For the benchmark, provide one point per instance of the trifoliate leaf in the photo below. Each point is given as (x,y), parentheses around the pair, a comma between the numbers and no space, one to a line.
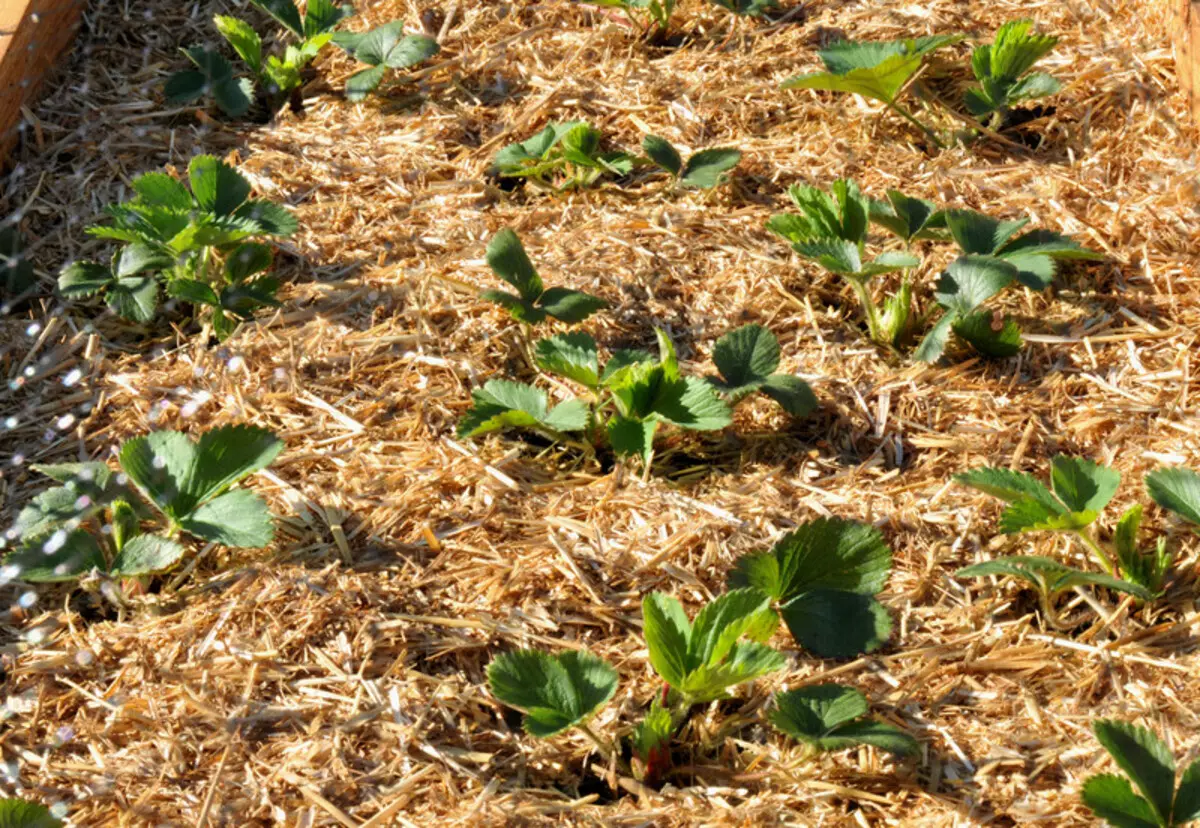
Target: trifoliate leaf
(969,281)
(721,622)
(990,334)
(571,355)
(707,168)
(507,258)
(237,519)
(909,218)
(146,555)
(845,55)
(1111,798)
(389,46)
(506,404)
(826,553)
(555,691)
(1082,485)
(57,555)
(745,357)
(1176,490)
(570,306)
(17,813)
(661,152)
(581,145)
(836,624)
(1144,758)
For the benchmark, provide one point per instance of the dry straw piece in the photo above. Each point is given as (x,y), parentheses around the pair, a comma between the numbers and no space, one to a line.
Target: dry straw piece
(338,679)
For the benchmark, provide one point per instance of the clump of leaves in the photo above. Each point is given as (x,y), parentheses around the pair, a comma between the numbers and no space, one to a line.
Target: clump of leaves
(1147,762)
(273,76)
(93,521)
(507,258)
(1079,490)
(196,242)
(831,229)
(16,271)
(20,813)
(824,577)
(746,359)
(623,405)
(383,48)
(833,717)
(1003,72)
(702,170)
(879,70)
(562,157)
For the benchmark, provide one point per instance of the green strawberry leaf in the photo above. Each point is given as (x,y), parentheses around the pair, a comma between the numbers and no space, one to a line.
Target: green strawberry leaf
(745,358)
(1176,490)
(146,555)
(792,393)
(1010,486)
(933,345)
(238,518)
(57,555)
(134,298)
(1144,758)
(216,186)
(570,306)
(556,692)
(979,329)
(18,813)
(829,717)
(1111,798)
(836,624)
(970,281)
(507,258)
(571,355)
(1082,485)
(668,634)
(630,437)
(661,152)
(706,169)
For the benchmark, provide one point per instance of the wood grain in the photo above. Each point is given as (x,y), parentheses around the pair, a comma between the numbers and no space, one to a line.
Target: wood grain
(33,33)
(1187,52)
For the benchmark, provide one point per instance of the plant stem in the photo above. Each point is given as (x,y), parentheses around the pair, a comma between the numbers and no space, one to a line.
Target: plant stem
(908,116)
(868,305)
(1097,550)
(606,749)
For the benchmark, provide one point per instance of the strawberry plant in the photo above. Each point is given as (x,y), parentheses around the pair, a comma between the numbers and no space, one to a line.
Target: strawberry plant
(555,692)
(383,48)
(642,14)
(507,258)
(93,521)
(1003,72)
(275,76)
(832,717)
(702,170)
(746,359)
(823,577)
(562,157)
(19,813)
(196,242)
(623,405)
(831,229)
(1079,490)
(879,70)
(747,8)
(1147,762)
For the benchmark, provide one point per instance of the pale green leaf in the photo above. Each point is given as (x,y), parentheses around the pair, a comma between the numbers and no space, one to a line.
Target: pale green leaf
(18,813)
(239,518)
(706,169)
(556,692)
(1082,485)
(571,355)
(146,555)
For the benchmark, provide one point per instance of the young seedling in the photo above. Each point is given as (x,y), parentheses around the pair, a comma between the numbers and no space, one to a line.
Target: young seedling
(19,813)
(384,48)
(823,577)
(507,258)
(16,271)
(1079,490)
(832,230)
(63,534)
(1002,70)
(1147,762)
(562,157)
(657,13)
(909,219)
(556,692)
(832,717)
(624,404)
(703,170)
(879,70)
(276,76)
(746,359)
(197,243)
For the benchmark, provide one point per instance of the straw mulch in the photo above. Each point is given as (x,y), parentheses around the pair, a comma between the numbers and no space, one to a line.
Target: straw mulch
(338,677)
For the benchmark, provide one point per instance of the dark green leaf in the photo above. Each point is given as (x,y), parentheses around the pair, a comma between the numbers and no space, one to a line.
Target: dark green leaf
(1187,798)
(17,813)
(238,518)
(134,298)
(668,634)
(933,345)
(320,16)
(1082,485)
(138,258)
(160,465)
(362,83)
(1176,490)
(507,258)
(57,555)
(194,291)
(285,12)
(246,260)
(792,393)
(970,281)
(571,306)
(869,732)
(161,190)
(228,454)
(691,403)
(517,307)
(990,334)
(80,280)
(1111,798)
(909,218)
(835,255)
(808,713)
(216,186)
(836,624)
(745,357)
(660,151)
(826,553)
(978,234)
(707,168)
(266,218)
(146,555)
(1144,758)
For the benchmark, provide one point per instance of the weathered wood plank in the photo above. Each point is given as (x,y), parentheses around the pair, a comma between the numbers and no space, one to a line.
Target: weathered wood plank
(1187,52)
(33,33)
